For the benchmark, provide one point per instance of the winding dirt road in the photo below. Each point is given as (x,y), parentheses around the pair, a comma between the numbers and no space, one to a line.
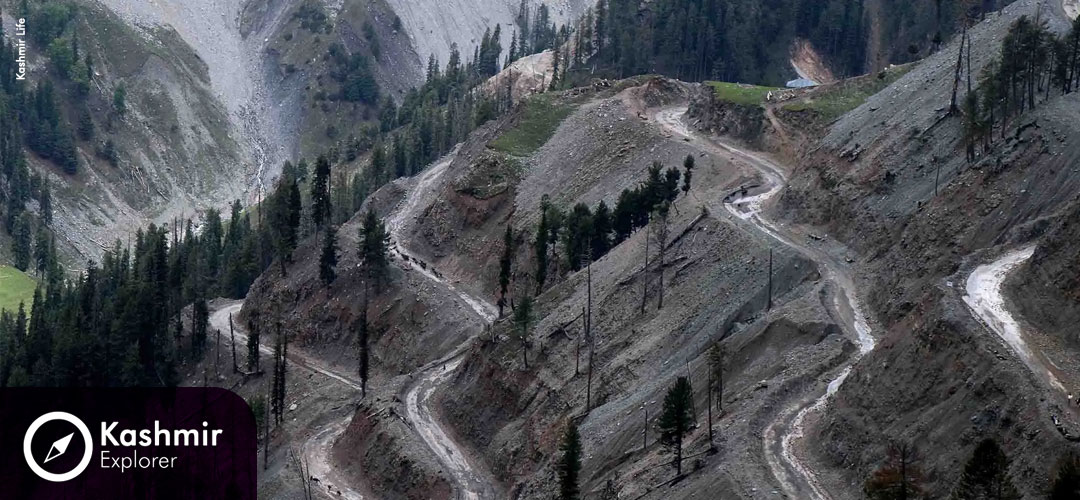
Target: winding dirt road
(795,476)
(984,296)
(316,450)
(473,482)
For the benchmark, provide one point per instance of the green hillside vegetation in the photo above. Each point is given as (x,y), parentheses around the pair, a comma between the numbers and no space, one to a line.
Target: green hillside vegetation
(833,102)
(742,94)
(15,288)
(749,40)
(539,120)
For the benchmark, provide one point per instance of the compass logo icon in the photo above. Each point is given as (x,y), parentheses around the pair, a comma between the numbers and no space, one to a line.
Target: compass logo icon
(58,447)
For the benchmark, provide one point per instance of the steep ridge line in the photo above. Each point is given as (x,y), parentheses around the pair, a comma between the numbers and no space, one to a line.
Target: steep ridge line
(788,468)
(316,450)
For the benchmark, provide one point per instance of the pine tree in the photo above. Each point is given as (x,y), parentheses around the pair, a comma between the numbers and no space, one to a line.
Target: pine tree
(513,54)
(328,258)
(21,240)
(201,316)
(320,192)
(688,170)
(986,475)
(374,249)
(541,250)
(570,464)
(253,344)
(504,266)
(45,203)
(1066,485)
(601,26)
(554,70)
(284,208)
(899,478)
(43,251)
(362,345)
(600,235)
(576,237)
(676,420)
(522,317)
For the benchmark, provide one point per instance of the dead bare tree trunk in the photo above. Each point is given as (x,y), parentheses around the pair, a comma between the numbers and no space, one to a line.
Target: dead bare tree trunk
(645,430)
(689,381)
(768,307)
(712,442)
(266,430)
(662,233)
(589,337)
(232,341)
(956,77)
(303,471)
(577,356)
(645,275)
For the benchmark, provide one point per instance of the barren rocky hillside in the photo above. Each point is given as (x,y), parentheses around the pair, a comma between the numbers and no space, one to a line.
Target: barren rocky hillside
(827,244)
(172,151)
(890,180)
(434,27)
(715,289)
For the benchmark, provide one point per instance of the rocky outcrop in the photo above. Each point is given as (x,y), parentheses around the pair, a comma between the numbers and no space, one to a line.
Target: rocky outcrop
(1046,290)
(746,123)
(373,451)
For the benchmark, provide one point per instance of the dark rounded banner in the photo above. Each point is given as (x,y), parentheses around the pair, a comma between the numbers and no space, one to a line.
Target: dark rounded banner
(181,443)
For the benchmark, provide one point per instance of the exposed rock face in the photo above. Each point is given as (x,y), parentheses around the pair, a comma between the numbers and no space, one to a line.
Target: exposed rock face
(175,152)
(436,25)
(238,70)
(1046,290)
(372,447)
(719,117)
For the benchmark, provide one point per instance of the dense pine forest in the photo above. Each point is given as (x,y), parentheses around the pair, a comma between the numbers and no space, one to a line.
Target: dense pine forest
(749,40)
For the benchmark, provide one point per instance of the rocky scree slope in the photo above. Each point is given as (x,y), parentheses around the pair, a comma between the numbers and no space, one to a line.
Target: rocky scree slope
(513,416)
(938,379)
(173,151)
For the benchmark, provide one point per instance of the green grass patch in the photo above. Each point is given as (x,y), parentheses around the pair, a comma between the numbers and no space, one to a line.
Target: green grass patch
(541,116)
(15,287)
(741,94)
(836,102)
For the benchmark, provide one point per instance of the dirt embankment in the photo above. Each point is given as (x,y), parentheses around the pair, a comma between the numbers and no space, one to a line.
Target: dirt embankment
(746,123)
(369,448)
(809,64)
(1047,290)
(1045,293)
